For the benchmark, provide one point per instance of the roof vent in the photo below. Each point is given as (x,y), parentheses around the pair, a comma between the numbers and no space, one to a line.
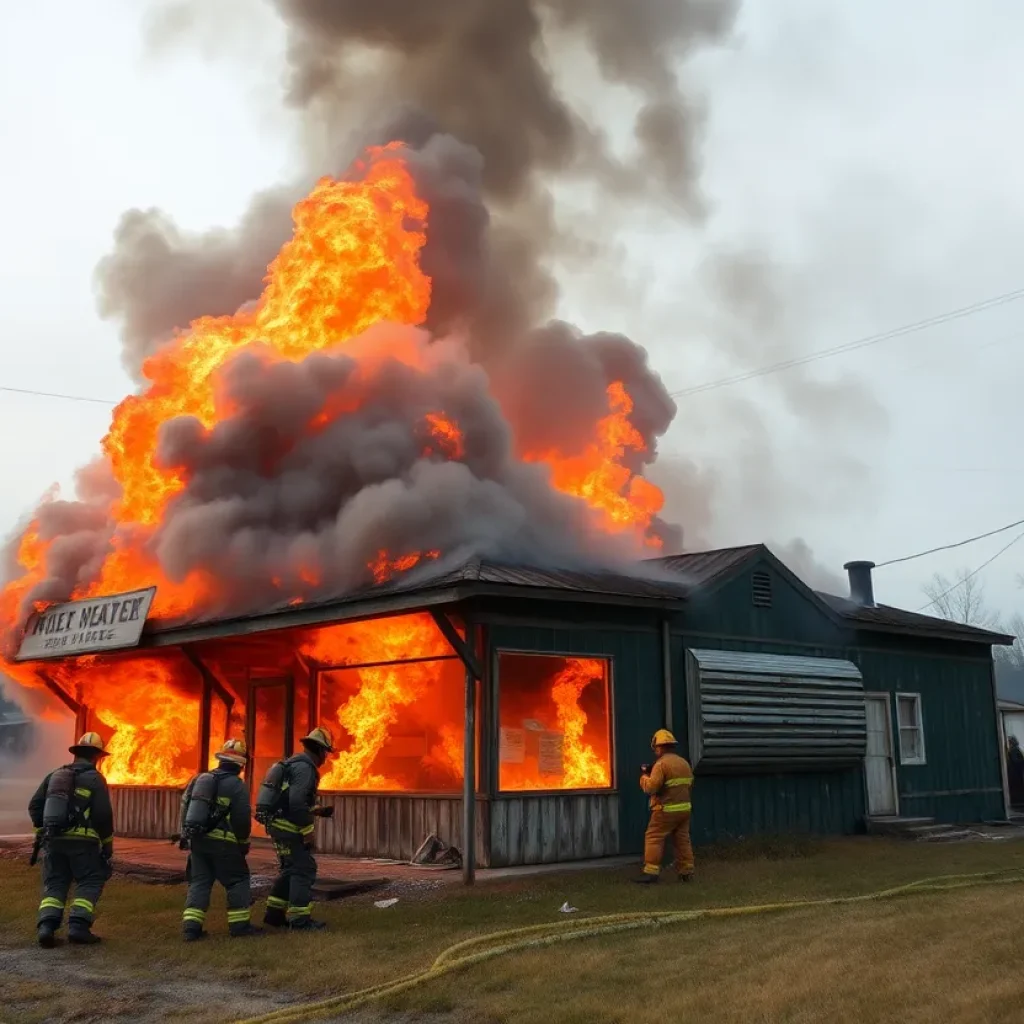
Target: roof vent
(761,590)
(862,590)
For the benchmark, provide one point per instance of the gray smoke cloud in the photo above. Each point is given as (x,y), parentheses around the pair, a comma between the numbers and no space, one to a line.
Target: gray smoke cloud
(489,72)
(268,497)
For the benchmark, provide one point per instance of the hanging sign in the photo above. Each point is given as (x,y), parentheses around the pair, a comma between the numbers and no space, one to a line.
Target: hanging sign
(549,757)
(86,627)
(512,747)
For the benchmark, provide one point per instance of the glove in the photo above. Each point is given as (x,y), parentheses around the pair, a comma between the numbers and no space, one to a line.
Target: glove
(324,812)
(107,852)
(245,847)
(308,843)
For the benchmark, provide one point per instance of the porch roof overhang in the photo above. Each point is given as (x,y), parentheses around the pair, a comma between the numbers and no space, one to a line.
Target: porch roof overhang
(469,582)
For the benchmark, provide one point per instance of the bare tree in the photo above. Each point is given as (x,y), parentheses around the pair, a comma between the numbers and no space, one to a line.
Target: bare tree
(961,599)
(1013,656)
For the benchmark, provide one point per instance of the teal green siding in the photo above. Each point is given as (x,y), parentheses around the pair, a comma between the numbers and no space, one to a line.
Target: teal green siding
(961,780)
(638,698)
(796,615)
(826,803)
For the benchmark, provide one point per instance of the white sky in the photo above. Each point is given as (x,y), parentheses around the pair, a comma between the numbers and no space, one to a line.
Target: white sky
(870,150)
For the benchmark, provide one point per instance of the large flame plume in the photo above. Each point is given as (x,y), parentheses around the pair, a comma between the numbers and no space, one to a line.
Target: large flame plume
(318,440)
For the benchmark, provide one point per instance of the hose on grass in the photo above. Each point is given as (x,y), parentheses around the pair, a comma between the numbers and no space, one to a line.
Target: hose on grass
(474,951)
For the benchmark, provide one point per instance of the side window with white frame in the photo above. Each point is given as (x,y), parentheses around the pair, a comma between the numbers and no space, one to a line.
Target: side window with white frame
(908,717)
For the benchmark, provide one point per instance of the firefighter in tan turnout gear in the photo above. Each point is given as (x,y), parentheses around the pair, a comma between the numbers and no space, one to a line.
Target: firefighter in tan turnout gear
(216,824)
(667,783)
(286,807)
(74,822)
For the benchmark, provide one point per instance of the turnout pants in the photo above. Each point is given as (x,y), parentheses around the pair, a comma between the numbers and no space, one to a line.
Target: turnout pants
(66,861)
(216,860)
(662,825)
(292,891)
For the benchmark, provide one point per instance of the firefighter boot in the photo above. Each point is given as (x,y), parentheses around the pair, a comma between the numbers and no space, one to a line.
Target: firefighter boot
(193,932)
(275,917)
(80,934)
(243,931)
(646,879)
(307,924)
(46,932)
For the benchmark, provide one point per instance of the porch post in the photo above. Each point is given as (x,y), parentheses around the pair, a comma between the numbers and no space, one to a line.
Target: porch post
(469,774)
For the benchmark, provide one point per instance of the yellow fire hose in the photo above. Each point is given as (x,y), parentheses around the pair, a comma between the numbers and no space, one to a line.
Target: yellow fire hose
(486,947)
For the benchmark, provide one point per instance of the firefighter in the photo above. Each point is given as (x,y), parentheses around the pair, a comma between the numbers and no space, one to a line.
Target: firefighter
(668,784)
(291,827)
(216,819)
(71,812)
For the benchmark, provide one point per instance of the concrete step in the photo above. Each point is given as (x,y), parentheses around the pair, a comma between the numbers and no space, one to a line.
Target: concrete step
(922,830)
(893,826)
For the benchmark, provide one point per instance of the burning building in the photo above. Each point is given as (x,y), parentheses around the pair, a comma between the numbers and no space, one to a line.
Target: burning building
(339,505)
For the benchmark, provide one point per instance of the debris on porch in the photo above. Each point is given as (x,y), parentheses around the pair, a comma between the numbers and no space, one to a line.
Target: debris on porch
(434,853)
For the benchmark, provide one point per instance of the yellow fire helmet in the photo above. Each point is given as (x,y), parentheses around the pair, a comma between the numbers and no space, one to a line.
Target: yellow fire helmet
(233,751)
(321,736)
(90,743)
(662,738)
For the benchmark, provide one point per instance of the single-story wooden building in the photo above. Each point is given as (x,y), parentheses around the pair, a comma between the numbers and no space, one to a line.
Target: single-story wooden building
(538,690)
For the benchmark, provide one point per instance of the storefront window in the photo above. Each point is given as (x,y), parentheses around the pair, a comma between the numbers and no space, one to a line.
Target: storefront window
(146,708)
(554,722)
(397,727)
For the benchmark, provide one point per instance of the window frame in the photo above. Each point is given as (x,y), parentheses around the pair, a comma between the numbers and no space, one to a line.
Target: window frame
(427,794)
(922,756)
(495,730)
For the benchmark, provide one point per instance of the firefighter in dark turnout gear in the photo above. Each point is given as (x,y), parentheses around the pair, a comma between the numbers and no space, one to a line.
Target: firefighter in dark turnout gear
(291,827)
(71,808)
(218,830)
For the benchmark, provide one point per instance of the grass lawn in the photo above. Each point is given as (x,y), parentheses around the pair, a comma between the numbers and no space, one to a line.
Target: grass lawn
(954,955)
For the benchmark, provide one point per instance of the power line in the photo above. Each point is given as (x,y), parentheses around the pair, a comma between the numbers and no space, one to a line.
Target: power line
(971,575)
(55,394)
(871,339)
(950,547)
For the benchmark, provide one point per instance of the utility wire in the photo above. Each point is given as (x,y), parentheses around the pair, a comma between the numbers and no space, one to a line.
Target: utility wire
(872,339)
(55,394)
(971,575)
(850,346)
(950,547)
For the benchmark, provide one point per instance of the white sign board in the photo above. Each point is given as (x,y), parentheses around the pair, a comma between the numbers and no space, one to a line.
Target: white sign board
(549,757)
(512,746)
(86,627)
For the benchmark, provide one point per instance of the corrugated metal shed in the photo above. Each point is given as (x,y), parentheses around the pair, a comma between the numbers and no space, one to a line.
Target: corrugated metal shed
(767,712)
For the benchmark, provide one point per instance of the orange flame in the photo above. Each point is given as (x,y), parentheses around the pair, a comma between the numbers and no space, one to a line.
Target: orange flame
(366,717)
(622,500)
(582,767)
(352,263)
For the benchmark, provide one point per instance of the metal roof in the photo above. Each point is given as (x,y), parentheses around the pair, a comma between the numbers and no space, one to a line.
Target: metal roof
(431,585)
(886,617)
(699,568)
(663,582)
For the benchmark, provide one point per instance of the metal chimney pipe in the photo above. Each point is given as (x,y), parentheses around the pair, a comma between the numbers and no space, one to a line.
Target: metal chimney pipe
(862,590)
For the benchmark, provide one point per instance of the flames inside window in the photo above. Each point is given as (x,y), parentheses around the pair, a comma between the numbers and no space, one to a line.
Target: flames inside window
(554,721)
(147,709)
(397,727)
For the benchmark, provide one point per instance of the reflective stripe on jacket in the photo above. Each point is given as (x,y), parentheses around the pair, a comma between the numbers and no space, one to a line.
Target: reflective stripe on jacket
(96,815)
(669,784)
(299,792)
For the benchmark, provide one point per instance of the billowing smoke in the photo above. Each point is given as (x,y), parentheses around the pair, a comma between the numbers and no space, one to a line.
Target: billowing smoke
(489,72)
(359,483)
